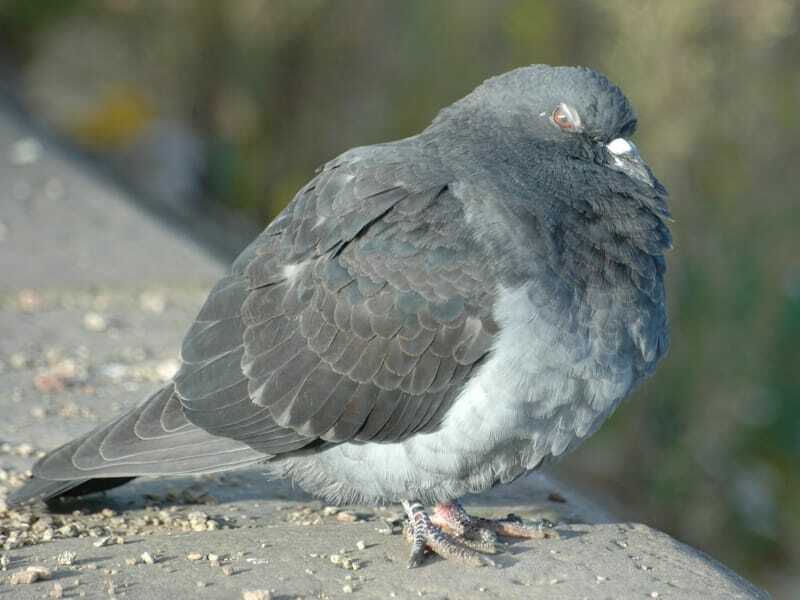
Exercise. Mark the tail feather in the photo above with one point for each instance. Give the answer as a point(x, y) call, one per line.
point(155, 438)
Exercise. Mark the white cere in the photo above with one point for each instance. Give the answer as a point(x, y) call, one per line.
point(619, 146)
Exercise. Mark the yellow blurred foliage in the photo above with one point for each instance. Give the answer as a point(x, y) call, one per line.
point(117, 120)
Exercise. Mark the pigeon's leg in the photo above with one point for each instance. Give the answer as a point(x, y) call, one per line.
point(423, 533)
point(452, 518)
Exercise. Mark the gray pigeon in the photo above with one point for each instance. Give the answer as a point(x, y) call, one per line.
point(427, 318)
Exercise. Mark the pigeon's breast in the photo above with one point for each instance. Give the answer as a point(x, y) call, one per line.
point(557, 370)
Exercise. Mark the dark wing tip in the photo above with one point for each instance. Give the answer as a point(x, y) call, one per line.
point(36, 489)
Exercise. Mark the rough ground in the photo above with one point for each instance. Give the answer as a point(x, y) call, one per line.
point(94, 298)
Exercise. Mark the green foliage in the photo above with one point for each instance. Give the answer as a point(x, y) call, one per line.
point(21, 20)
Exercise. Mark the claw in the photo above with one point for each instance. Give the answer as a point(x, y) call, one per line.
point(482, 546)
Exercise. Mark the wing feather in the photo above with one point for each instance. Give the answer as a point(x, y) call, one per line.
point(348, 318)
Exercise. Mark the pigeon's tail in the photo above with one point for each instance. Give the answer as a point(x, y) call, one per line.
point(155, 438)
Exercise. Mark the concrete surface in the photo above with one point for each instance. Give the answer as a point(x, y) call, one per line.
point(94, 299)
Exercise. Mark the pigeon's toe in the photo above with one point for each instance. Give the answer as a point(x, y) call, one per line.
point(513, 527)
point(425, 535)
point(452, 517)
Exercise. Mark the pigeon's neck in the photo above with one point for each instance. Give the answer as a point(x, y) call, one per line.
point(591, 238)
point(532, 203)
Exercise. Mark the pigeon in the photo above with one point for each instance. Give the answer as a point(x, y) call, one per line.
point(427, 318)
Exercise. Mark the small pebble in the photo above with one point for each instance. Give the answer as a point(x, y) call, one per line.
point(30, 575)
point(257, 595)
point(148, 558)
point(346, 516)
point(93, 321)
point(18, 360)
point(361, 545)
point(130, 561)
point(26, 151)
point(25, 450)
point(29, 300)
point(53, 189)
point(103, 541)
point(57, 592)
point(152, 302)
point(347, 589)
point(166, 369)
point(195, 556)
point(227, 570)
point(66, 558)
point(4, 562)
point(654, 594)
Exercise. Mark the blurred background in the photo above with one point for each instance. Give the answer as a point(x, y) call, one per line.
point(226, 108)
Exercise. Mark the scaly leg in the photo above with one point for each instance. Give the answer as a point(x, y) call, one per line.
point(423, 533)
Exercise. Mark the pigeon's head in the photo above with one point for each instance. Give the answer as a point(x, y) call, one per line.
point(558, 110)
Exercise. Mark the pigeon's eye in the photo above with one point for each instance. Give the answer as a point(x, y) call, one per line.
point(566, 117)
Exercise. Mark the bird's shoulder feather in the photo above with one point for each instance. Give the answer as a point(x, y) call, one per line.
point(358, 314)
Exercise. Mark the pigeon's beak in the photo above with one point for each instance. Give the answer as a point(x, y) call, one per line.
point(624, 157)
